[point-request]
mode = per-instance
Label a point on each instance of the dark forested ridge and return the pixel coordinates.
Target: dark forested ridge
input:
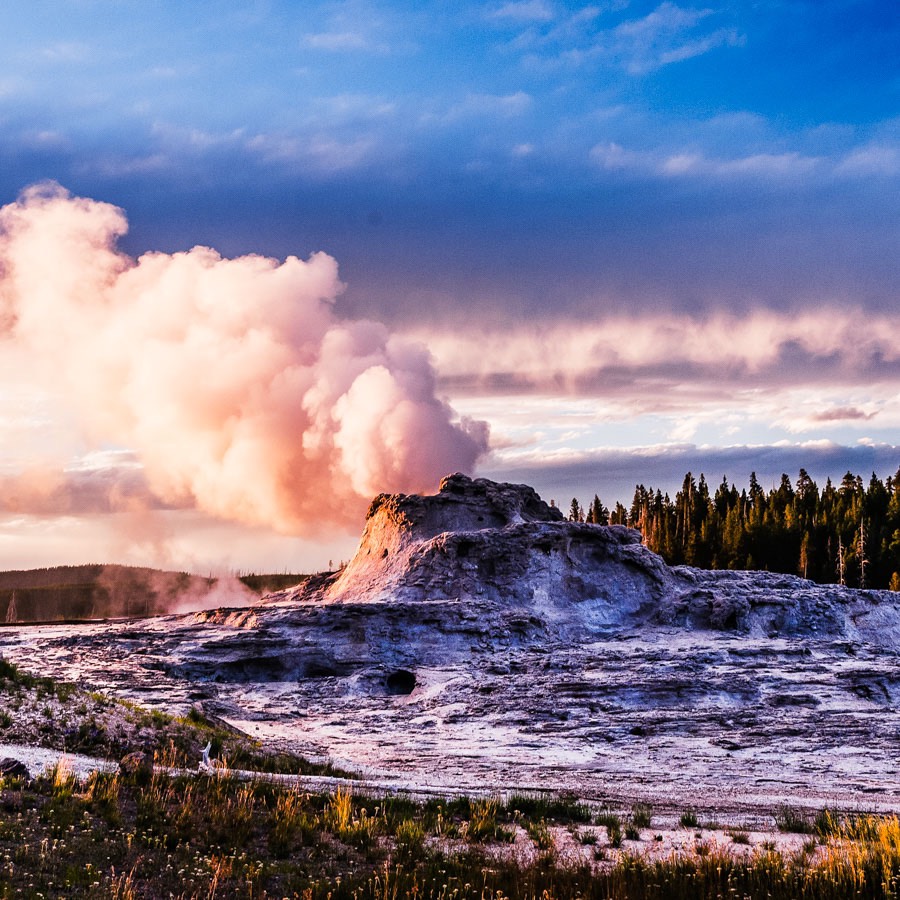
(847, 533)
(94, 592)
(111, 591)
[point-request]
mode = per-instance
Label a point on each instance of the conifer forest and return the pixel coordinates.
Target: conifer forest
(847, 533)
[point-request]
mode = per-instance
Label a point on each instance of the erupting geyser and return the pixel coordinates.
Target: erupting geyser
(233, 379)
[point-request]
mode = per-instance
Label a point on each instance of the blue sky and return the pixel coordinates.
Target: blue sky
(638, 236)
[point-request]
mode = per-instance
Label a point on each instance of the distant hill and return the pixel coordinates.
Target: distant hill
(112, 591)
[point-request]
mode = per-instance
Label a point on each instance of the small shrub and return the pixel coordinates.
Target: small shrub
(563, 808)
(810, 845)
(689, 819)
(827, 823)
(614, 834)
(102, 793)
(793, 821)
(285, 822)
(632, 833)
(410, 836)
(232, 815)
(63, 778)
(483, 824)
(587, 838)
(339, 813)
(739, 837)
(608, 819)
(641, 815)
(540, 834)
(9, 672)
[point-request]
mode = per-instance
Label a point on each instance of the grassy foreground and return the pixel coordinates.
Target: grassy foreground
(141, 832)
(204, 837)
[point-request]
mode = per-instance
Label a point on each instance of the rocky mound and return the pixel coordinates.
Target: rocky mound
(480, 542)
(486, 545)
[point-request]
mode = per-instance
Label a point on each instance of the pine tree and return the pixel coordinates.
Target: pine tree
(576, 513)
(863, 560)
(840, 561)
(12, 613)
(598, 514)
(619, 515)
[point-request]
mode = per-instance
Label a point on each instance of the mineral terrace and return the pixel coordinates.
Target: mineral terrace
(477, 639)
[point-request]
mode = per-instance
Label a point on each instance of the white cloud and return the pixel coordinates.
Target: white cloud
(344, 42)
(759, 164)
(665, 36)
(498, 106)
(655, 360)
(614, 157)
(874, 159)
(122, 167)
(65, 52)
(323, 153)
(724, 37)
(668, 35)
(524, 11)
(349, 108)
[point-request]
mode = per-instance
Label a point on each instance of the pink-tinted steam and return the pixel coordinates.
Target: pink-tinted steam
(233, 380)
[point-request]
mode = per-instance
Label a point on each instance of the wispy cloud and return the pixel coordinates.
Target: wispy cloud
(324, 153)
(873, 159)
(523, 11)
(680, 358)
(89, 487)
(764, 165)
(664, 162)
(343, 42)
(667, 35)
(843, 414)
(497, 106)
(65, 52)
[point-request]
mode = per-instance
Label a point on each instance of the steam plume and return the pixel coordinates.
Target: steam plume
(232, 379)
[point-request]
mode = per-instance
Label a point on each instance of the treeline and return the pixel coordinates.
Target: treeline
(845, 534)
(112, 591)
(94, 592)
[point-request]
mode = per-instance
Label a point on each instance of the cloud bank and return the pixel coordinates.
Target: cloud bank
(233, 381)
(656, 353)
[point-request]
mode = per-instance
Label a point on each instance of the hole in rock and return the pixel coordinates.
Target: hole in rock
(463, 548)
(401, 682)
(319, 670)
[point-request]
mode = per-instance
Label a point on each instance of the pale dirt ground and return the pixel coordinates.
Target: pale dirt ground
(680, 721)
(36, 719)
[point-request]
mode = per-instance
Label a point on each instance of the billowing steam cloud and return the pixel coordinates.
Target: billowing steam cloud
(232, 379)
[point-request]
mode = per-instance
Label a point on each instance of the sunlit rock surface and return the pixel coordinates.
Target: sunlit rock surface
(478, 638)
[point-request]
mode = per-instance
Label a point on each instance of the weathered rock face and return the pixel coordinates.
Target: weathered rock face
(495, 544)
